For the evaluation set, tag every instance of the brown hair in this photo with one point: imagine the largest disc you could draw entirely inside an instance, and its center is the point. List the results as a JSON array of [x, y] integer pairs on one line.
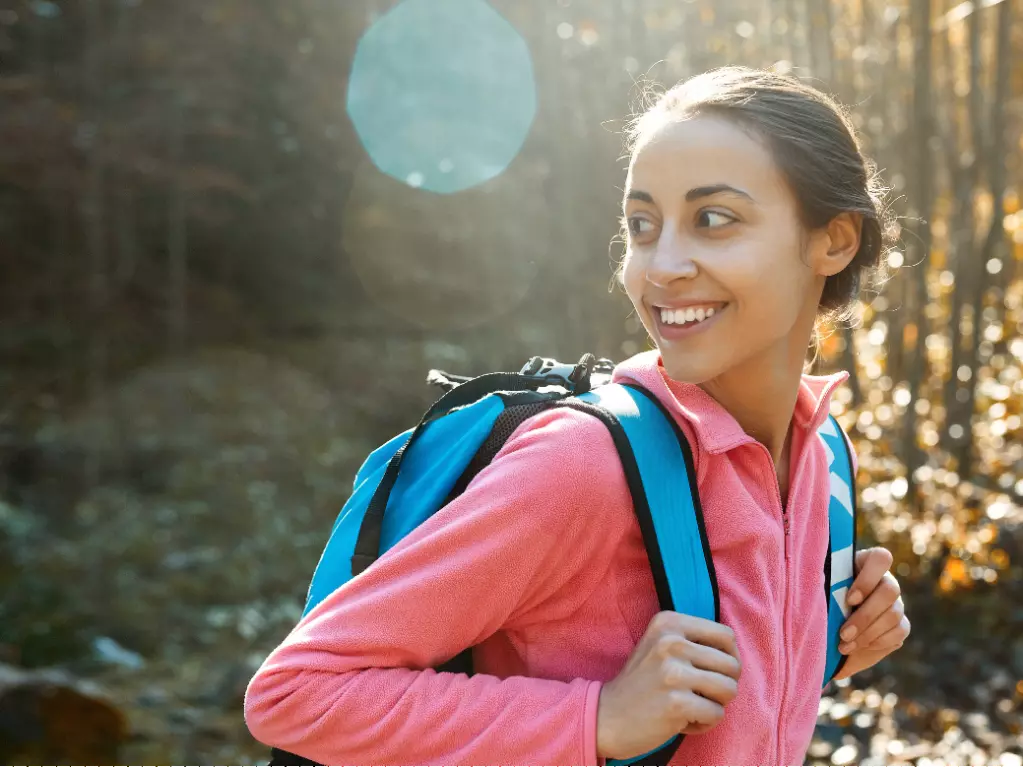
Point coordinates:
[[815, 147]]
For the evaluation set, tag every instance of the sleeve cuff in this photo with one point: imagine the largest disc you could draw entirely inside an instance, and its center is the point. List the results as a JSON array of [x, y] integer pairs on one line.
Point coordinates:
[[590, 724]]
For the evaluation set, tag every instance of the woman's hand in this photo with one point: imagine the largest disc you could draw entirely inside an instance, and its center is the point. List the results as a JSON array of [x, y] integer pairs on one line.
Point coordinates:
[[681, 675], [878, 625]]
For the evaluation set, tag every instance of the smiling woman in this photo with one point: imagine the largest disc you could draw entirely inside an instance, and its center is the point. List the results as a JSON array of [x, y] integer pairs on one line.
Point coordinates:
[[749, 212]]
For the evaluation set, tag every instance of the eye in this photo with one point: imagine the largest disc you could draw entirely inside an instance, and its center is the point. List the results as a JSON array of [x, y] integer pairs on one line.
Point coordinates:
[[713, 219], [639, 226]]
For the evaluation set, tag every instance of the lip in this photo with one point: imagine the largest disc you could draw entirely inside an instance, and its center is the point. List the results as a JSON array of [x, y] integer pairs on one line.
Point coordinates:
[[678, 332], [686, 304]]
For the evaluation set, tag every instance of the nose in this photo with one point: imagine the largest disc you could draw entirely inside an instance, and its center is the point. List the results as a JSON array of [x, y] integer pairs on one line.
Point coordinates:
[[670, 261]]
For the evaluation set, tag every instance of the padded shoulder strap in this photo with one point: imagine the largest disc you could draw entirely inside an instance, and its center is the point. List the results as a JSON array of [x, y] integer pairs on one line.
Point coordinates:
[[842, 544], [665, 498], [658, 465]]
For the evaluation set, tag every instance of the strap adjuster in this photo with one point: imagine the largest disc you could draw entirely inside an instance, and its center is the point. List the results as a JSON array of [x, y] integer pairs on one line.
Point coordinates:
[[575, 378], [551, 372]]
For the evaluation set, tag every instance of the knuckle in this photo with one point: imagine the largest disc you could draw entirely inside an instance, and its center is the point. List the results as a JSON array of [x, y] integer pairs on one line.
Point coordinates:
[[662, 622], [672, 673], [678, 705], [666, 645], [890, 588]]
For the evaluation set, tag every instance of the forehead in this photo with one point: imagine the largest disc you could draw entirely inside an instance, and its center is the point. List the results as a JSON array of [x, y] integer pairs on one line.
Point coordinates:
[[700, 151]]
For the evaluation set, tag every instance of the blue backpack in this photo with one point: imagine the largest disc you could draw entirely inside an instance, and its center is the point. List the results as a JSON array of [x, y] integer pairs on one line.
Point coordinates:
[[413, 475]]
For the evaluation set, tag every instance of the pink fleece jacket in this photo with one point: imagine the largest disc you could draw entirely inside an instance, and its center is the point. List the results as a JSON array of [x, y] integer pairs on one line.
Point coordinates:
[[540, 566]]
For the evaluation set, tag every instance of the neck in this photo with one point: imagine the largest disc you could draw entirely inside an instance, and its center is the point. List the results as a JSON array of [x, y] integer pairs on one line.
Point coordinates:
[[763, 410]]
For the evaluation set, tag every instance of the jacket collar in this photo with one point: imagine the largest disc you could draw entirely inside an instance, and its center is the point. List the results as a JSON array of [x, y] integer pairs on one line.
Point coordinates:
[[716, 429]]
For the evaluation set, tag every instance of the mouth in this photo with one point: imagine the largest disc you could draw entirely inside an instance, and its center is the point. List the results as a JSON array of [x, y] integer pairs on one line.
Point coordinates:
[[674, 323]]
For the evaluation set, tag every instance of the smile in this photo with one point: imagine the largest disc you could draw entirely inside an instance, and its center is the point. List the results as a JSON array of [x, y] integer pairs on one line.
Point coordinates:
[[689, 314], [674, 323]]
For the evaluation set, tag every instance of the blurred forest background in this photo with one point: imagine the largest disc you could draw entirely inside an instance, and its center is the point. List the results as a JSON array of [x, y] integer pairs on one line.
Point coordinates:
[[213, 303]]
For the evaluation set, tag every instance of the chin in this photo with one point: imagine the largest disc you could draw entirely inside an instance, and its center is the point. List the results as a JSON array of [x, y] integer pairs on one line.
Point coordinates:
[[684, 371]]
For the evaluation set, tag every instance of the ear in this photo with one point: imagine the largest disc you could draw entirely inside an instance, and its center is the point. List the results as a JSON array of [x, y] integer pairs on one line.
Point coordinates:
[[836, 244]]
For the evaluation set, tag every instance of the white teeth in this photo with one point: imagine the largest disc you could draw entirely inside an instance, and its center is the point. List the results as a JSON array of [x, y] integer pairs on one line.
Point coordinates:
[[684, 316]]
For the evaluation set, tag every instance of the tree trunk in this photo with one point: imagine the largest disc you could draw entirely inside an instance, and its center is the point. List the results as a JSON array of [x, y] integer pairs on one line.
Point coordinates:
[[964, 267], [790, 17], [994, 161], [818, 14], [922, 196], [92, 210], [177, 235], [866, 70], [892, 154]]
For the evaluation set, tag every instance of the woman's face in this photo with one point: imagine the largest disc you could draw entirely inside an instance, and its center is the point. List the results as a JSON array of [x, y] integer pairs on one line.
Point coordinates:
[[718, 264]]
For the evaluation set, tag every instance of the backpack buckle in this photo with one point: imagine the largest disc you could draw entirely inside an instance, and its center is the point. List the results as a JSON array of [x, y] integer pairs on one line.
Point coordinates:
[[550, 372], [574, 378]]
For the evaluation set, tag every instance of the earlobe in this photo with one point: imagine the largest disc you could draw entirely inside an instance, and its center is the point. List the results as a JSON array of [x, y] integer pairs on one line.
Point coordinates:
[[843, 242]]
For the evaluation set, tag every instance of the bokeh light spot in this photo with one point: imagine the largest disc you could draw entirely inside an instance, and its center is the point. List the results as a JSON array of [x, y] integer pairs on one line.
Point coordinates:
[[442, 93]]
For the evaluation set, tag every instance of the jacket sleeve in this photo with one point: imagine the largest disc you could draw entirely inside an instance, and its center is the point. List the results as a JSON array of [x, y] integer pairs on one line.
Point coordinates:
[[352, 683]]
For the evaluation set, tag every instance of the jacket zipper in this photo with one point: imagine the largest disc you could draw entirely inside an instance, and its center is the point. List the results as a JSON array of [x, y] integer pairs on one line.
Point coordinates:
[[783, 662]]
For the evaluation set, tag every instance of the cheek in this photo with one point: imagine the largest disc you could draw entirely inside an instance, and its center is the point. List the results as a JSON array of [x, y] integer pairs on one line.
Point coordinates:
[[770, 282], [633, 278]]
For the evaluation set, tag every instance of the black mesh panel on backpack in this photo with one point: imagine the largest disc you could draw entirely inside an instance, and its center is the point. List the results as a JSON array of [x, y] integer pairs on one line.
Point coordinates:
[[503, 428]]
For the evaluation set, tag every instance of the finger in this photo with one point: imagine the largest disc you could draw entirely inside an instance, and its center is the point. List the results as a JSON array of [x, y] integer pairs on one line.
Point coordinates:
[[709, 633], [883, 597], [871, 565], [892, 639], [886, 622], [695, 709], [695, 629], [865, 640], [712, 659], [680, 675], [716, 687]]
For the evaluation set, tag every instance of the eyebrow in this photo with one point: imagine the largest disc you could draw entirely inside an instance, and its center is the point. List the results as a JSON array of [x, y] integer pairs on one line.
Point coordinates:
[[695, 193], [635, 194], [706, 191]]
